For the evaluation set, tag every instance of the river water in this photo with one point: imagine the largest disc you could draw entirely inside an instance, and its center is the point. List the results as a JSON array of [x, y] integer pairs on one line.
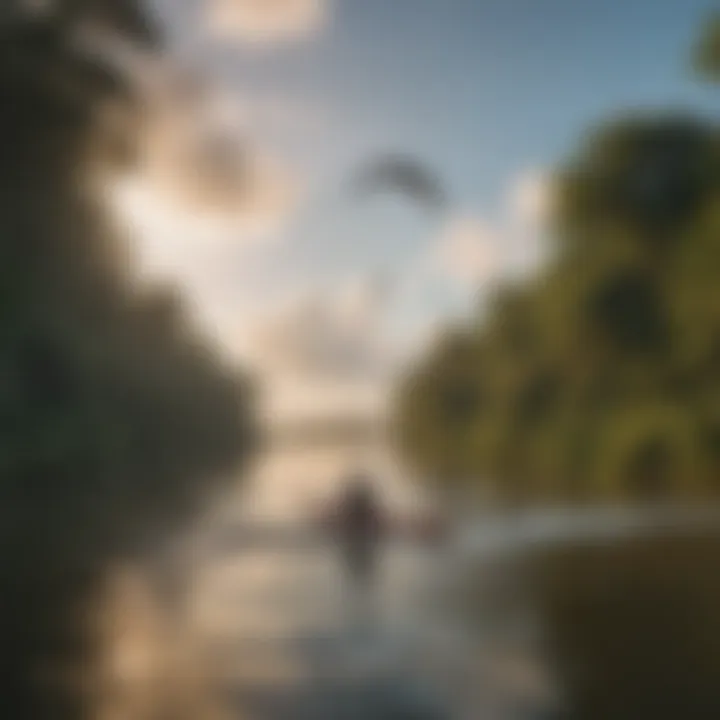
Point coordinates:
[[280, 625]]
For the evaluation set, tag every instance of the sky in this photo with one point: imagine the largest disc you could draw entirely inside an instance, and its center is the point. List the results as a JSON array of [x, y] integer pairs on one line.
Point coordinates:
[[327, 294]]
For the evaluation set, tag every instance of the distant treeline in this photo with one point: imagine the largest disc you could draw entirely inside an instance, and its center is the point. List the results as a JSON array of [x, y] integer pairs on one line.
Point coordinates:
[[331, 432], [599, 378]]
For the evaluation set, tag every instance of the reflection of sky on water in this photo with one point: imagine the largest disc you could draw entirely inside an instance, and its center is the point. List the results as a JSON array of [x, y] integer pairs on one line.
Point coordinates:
[[271, 594], [255, 609], [290, 483], [278, 619], [278, 622]]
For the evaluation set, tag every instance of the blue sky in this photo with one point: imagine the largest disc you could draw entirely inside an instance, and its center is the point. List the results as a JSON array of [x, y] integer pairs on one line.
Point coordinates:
[[481, 89], [487, 92]]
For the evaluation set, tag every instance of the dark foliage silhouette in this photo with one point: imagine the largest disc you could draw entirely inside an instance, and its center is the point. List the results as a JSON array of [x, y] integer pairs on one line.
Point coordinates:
[[116, 420]]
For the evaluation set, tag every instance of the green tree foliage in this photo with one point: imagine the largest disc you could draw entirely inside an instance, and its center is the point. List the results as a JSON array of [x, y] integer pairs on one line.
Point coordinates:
[[116, 420], [707, 51], [600, 376]]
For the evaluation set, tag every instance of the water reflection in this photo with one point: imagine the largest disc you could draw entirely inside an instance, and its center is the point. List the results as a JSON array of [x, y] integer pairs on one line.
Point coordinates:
[[279, 622], [493, 624]]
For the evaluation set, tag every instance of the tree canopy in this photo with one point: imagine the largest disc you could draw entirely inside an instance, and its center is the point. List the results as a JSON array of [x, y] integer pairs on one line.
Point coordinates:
[[599, 378], [117, 421], [707, 51]]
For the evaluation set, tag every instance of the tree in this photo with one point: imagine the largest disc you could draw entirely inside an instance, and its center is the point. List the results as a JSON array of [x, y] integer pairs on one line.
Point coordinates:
[[117, 421], [707, 51], [598, 374]]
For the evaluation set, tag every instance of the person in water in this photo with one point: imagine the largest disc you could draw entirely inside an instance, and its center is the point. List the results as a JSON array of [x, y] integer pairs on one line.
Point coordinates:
[[359, 526]]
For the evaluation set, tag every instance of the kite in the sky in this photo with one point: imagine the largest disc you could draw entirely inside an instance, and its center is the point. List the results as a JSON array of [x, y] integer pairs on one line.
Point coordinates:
[[405, 175]]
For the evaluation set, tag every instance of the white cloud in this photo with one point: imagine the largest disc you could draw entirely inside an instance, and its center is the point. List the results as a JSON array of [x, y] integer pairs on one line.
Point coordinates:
[[530, 200], [529, 210], [263, 22], [169, 238], [361, 301], [204, 198], [473, 252], [203, 187], [329, 335], [446, 276], [468, 251], [195, 149], [192, 138]]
